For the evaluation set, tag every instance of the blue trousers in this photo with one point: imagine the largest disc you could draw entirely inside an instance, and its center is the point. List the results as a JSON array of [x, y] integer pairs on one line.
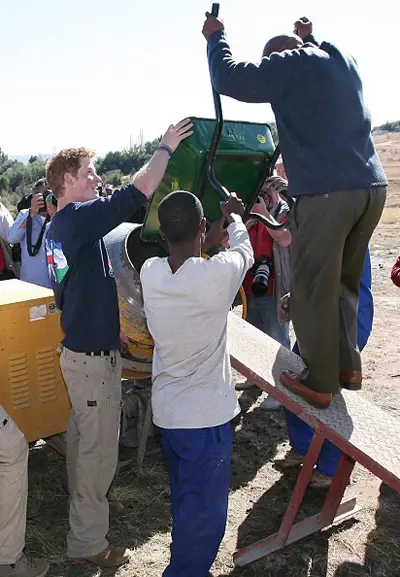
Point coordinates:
[[262, 313], [199, 463], [301, 434]]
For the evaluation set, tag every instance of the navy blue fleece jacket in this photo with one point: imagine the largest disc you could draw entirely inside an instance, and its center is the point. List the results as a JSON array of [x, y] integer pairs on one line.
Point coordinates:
[[81, 272], [323, 124]]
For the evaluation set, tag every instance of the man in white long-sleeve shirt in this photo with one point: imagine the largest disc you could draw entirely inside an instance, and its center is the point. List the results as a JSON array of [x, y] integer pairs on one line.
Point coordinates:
[[187, 300]]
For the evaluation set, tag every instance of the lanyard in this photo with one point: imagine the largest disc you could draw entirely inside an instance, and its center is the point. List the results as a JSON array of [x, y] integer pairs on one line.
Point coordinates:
[[33, 250]]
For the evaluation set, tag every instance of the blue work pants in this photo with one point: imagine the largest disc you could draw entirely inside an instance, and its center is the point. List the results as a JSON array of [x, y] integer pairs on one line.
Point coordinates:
[[199, 463]]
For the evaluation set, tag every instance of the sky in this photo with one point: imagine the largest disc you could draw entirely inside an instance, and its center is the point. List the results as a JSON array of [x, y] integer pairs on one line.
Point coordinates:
[[103, 73]]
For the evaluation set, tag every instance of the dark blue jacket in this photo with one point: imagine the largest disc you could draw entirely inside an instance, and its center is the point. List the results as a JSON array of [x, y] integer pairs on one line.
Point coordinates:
[[81, 272], [323, 124]]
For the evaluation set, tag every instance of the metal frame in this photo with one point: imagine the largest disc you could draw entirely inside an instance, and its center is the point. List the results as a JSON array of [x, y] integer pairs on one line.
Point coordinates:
[[254, 355], [334, 511]]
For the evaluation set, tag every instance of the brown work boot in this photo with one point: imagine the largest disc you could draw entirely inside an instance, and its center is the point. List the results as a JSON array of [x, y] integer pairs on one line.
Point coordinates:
[[351, 380], [25, 567], [294, 383], [290, 460], [320, 481], [110, 557]]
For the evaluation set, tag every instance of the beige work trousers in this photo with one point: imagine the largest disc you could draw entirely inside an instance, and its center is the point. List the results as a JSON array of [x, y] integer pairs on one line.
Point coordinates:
[[94, 387], [13, 489]]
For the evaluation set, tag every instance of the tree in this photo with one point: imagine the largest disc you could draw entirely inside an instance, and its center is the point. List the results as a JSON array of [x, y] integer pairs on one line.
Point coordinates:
[[393, 126], [5, 162], [33, 159], [4, 182], [113, 177]]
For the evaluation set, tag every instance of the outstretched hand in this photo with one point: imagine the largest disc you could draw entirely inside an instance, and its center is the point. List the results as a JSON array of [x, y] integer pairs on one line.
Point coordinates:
[[259, 207], [232, 206], [176, 133], [303, 27], [211, 25]]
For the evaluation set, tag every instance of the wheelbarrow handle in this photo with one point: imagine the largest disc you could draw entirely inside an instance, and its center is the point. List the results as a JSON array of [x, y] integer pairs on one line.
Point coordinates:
[[215, 10], [219, 122]]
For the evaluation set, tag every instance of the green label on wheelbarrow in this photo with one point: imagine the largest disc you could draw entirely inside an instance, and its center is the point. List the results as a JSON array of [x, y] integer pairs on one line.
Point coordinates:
[[243, 152]]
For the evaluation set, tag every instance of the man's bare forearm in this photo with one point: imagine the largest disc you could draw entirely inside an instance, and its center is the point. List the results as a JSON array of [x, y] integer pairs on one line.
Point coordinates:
[[148, 178]]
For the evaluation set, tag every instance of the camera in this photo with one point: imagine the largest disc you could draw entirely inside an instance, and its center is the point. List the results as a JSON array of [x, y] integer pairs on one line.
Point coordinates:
[[49, 198], [262, 273], [26, 201]]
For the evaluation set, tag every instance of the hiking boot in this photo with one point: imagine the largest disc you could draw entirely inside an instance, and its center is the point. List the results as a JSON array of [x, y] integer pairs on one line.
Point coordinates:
[[291, 460], [110, 557], [320, 481], [244, 385], [25, 567], [270, 404]]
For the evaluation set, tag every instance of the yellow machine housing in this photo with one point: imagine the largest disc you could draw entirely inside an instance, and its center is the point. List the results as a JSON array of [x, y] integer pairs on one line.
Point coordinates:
[[32, 388]]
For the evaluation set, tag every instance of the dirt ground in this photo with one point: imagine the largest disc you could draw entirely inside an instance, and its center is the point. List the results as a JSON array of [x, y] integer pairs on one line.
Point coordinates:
[[368, 545]]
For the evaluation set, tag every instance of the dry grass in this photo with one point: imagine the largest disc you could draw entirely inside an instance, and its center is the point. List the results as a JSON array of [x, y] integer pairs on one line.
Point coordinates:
[[368, 545]]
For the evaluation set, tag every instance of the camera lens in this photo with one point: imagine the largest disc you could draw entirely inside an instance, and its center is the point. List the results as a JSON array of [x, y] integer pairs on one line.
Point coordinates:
[[261, 278]]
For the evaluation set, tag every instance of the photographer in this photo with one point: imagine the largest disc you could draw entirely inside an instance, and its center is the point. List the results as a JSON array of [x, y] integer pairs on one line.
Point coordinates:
[[269, 278], [29, 230]]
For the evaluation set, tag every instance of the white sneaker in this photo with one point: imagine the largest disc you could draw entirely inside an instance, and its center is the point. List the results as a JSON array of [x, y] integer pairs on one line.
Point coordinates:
[[25, 567], [270, 404]]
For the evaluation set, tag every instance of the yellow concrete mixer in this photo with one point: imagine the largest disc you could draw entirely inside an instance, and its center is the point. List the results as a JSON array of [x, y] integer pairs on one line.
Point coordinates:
[[127, 253]]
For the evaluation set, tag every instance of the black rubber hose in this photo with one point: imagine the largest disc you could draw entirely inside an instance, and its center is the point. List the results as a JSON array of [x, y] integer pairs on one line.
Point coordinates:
[[219, 123], [212, 179]]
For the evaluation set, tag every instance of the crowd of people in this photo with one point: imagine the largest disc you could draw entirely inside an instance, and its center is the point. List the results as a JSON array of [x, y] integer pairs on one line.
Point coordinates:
[[320, 258]]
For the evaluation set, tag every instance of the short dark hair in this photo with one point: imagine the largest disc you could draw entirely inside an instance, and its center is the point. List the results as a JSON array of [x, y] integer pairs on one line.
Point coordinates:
[[180, 214]]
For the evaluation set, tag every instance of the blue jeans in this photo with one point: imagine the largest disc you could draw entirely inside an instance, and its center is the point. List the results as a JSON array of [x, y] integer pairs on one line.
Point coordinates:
[[199, 464], [262, 313], [301, 434]]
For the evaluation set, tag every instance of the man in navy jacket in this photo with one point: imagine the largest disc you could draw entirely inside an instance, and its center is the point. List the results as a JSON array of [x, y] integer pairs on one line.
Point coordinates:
[[335, 174], [86, 292]]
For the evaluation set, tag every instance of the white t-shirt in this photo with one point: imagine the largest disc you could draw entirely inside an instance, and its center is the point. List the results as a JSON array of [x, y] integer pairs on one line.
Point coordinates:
[[187, 317]]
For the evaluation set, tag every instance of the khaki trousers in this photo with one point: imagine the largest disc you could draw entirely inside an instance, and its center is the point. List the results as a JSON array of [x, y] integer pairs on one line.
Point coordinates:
[[330, 236], [94, 387], [13, 489]]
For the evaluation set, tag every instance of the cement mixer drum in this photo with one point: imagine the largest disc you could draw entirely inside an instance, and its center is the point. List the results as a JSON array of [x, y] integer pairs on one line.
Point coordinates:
[[127, 253]]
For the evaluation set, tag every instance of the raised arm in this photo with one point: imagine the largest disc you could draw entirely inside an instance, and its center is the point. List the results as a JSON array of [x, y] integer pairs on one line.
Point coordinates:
[[148, 178], [96, 218], [246, 81], [228, 268], [17, 231]]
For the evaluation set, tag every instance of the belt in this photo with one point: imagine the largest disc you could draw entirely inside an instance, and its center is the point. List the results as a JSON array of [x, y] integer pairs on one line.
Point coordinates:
[[99, 354]]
